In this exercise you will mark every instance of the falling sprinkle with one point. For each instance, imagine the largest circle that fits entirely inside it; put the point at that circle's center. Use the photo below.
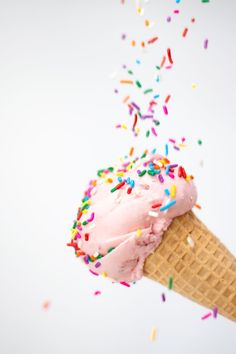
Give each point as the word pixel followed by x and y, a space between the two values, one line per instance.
pixel 198 206
pixel 205 1
pixel 147 23
pixel 126 99
pixel 153 335
pixel 147 133
pixel 168 19
pixel 97 292
pixel 205 43
pixel 166 149
pixel 125 283
pixel 46 304
pixel 138 84
pixel 156 205
pixel 163 61
pixel 176 11
pixel 148 91
pixel 129 82
pixel 215 312
pixel 152 40
pixel 133 43
pixel 194 86
pixel 131 151
pixel 170 285
pixel 170 56
pixel 163 297
pixel 165 110
pixel 209 314
pixel 167 99
pixel 91 271
pixel 185 31
pixel 138 232
pixel 154 131
pixel 123 36
pixel 199 142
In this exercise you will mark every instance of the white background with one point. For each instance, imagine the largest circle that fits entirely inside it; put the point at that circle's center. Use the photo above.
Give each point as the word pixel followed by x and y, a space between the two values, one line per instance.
pixel 57 116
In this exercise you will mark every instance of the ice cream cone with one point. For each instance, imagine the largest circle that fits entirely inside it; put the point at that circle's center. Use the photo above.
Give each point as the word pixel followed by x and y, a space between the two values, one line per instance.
pixel 202 268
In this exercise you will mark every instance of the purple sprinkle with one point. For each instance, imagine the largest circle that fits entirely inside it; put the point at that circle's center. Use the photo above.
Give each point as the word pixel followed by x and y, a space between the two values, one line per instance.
pixel 86 259
pixel 147 116
pixel 163 297
pixel 116 91
pixel 206 44
pixel 124 66
pixel 168 19
pixel 215 312
pixel 123 36
pixel 131 109
pixel 135 106
pixel 174 165
pixel 176 148
pixel 160 177
pixel 139 171
pixel 97 264
pixel 91 271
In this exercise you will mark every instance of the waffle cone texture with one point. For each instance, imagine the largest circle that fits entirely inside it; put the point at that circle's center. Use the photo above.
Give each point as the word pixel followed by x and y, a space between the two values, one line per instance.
pixel 204 272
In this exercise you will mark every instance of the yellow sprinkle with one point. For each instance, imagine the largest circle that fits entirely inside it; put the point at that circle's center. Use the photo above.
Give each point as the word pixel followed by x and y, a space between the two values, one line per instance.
pixel 138 232
pixel 194 86
pixel 85 211
pixel 140 10
pixel 173 190
pixel 188 178
pixel 104 274
pixel 153 335
pixel 120 174
pixel 182 145
pixel 137 131
pixel 147 23
pixel 124 126
pixel 129 167
pixel 73 233
pixel 109 180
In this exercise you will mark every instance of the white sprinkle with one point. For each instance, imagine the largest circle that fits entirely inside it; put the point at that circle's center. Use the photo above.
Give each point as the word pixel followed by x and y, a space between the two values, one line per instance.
pixel 154 214
pixel 190 241
pixel 96 254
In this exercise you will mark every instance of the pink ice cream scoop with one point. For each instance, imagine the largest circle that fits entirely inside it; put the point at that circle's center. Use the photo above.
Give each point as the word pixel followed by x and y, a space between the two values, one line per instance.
pixel 125 212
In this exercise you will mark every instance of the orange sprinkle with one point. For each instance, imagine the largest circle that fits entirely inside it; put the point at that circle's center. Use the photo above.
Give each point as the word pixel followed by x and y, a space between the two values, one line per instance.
pixel 198 206
pixel 109 180
pixel 163 61
pixel 133 43
pixel 131 151
pixel 167 99
pixel 126 82
pixel 126 99
pixel 185 31
pixel 143 44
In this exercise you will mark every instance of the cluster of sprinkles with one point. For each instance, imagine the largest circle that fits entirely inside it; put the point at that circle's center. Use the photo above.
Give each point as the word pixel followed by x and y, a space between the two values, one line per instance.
pixel 118 177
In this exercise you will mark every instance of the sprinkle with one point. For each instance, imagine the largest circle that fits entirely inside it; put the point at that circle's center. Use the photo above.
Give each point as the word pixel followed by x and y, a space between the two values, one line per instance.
pixel 138 84
pixel 199 142
pixel 130 82
pixel 138 61
pixel 215 312
pixel 153 334
pixel 177 1
pixel 167 206
pixel 167 99
pixel 110 249
pixel 135 106
pixel 147 23
pixel 152 40
pixel 148 91
pixel 165 110
pixel 185 31
pixel 133 43
pixel 198 206
pixel 166 150
pixel 86 237
pixel 143 44
pixel 129 190
pixel 138 232
pixel 147 116
pixel 97 264
pixel 163 61
pixel 91 271
pixel 104 274
pixel 125 284
pixel 176 11
pixel 209 314
pixel 190 241
pixel 168 19
pixel 173 190
pixel 172 141
pixel 46 304
pixel 153 214
pixel 169 56
pixel 123 36
pixel 205 1
pixel 194 86
pixel 97 292
pixel 156 205
pixel 167 192
pixel 163 297
pixel 205 44
pixel 135 120
pixel 161 179
pixel 170 285
pixel 142 173
pixel 154 131
pixel 131 151
pixel 147 133
pixel 193 20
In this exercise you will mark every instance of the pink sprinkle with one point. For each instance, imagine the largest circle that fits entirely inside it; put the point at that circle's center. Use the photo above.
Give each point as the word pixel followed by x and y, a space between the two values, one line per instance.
pixel 118 126
pixel 176 11
pixel 91 271
pixel 97 292
pixel 206 316
pixel 172 141
pixel 206 44
pixel 124 283
pixel 168 67
pixel 171 175
pixel 165 110
pixel 183 139
pixel 91 217
pixel 154 131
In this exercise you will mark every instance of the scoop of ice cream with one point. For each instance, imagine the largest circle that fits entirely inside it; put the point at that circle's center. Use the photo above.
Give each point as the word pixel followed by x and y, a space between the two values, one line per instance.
pixel 125 213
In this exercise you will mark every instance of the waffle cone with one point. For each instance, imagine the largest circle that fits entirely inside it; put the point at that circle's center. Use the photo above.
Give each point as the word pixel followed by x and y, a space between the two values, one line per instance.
pixel 204 273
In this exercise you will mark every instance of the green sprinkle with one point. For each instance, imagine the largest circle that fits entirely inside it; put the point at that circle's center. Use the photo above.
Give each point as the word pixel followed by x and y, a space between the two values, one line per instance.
pixel 99 256
pixel 130 72
pixel 170 286
pixel 139 114
pixel 156 122
pixel 110 249
pixel 141 174
pixel 151 173
pixel 74 226
pixel 143 155
pixel 148 91
pixel 113 189
pixel 84 223
pixel 199 142
pixel 205 1
pixel 138 84
pixel 90 259
pixel 158 67
pixel 111 169
pixel 85 206
pixel 100 172
pixel 147 133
